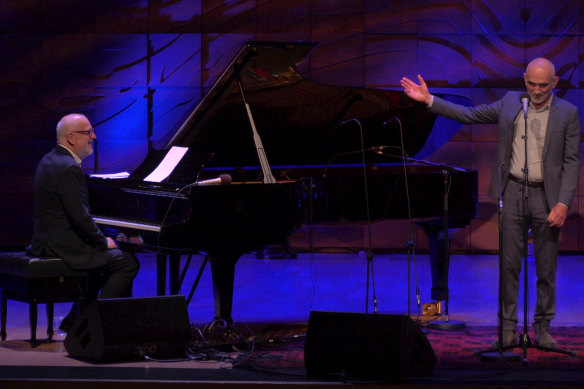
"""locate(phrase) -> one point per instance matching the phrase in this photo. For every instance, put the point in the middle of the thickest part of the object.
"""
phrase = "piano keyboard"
(127, 224)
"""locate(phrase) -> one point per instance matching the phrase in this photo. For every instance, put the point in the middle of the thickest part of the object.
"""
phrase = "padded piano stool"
(35, 281)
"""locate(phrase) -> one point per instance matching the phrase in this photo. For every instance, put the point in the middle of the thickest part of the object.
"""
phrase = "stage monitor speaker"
(131, 329)
(365, 346)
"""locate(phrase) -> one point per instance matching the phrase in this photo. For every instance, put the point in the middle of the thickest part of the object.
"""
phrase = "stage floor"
(284, 291)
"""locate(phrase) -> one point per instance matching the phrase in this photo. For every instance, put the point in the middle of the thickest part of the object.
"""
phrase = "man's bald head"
(540, 79)
(541, 65)
(75, 132)
(68, 123)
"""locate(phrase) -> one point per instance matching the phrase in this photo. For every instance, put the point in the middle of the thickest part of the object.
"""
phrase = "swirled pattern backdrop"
(135, 67)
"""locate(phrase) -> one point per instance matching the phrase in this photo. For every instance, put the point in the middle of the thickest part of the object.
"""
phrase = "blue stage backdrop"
(137, 67)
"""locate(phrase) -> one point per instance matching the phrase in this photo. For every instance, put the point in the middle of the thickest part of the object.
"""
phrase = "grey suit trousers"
(545, 242)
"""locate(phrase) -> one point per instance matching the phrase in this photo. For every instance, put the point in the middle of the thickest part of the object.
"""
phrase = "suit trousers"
(115, 279)
(545, 243)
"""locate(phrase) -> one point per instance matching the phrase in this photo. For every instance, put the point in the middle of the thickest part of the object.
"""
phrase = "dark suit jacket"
(62, 222)
(561, 153)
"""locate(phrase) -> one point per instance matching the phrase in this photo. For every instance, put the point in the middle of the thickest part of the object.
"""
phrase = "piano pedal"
(432, 309)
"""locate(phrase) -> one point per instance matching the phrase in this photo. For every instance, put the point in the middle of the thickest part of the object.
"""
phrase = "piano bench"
(35, 281)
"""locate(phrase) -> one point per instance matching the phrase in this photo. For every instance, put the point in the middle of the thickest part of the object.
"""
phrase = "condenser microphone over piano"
(345, 122)
(387, 122)
(223, 179)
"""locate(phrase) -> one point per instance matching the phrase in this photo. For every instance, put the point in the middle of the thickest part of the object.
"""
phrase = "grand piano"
(265, 151)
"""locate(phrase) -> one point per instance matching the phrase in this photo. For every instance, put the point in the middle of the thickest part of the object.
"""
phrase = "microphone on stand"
(223, 179)
(524, 98)
(345, 122)
(379, 149)
(386, 123)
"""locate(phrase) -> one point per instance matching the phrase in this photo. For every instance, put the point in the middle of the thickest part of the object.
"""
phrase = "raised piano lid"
(298, 120)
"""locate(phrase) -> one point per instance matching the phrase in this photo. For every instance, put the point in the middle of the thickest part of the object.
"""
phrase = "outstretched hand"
(417, 92)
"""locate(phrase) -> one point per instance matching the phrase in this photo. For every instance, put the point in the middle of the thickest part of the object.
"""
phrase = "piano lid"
(299, 120)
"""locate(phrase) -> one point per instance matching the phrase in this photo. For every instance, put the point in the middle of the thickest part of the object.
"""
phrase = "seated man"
(63, 226)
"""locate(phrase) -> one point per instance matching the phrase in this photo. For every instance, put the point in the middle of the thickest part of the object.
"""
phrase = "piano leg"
(174, 273)
(439, 259)
(160, 274)
(173, 261)
(223, 275)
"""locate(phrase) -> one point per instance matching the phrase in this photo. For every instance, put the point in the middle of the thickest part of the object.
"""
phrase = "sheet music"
(167, 165)
(113, 176)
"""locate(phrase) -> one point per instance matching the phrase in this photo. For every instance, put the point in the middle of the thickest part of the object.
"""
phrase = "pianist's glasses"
(89, 132)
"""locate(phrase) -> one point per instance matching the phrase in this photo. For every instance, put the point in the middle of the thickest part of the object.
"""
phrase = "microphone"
(386, 123)
(344, 122)
(379, 149)
(525, 102)
(223, 179)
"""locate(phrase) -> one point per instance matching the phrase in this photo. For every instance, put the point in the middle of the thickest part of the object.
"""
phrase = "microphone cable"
(175, 195)
(163, 221)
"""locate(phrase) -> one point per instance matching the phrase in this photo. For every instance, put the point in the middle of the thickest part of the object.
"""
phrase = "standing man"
(63, 226)
(553, 163)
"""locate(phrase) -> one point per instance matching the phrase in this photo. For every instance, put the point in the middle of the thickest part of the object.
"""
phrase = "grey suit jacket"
(63, 225)
(561, 153)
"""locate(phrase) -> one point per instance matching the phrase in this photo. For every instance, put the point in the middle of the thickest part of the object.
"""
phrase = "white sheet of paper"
(167, 165)
(111, 175)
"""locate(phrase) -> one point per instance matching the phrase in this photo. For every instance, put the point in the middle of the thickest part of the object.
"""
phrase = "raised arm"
(417, 92)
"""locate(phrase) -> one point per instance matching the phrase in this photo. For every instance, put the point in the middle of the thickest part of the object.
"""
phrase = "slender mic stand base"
(525, 343)
(446, 325)
(499, 356)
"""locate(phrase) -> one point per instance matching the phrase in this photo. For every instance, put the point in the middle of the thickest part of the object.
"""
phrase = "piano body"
(292, 161)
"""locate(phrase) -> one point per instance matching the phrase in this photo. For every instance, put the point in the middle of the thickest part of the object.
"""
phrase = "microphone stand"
(370, 245)
(410, 245)
(446, 324)
(437, 324)
(524, 340)
(368, 214)
(497, 353)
